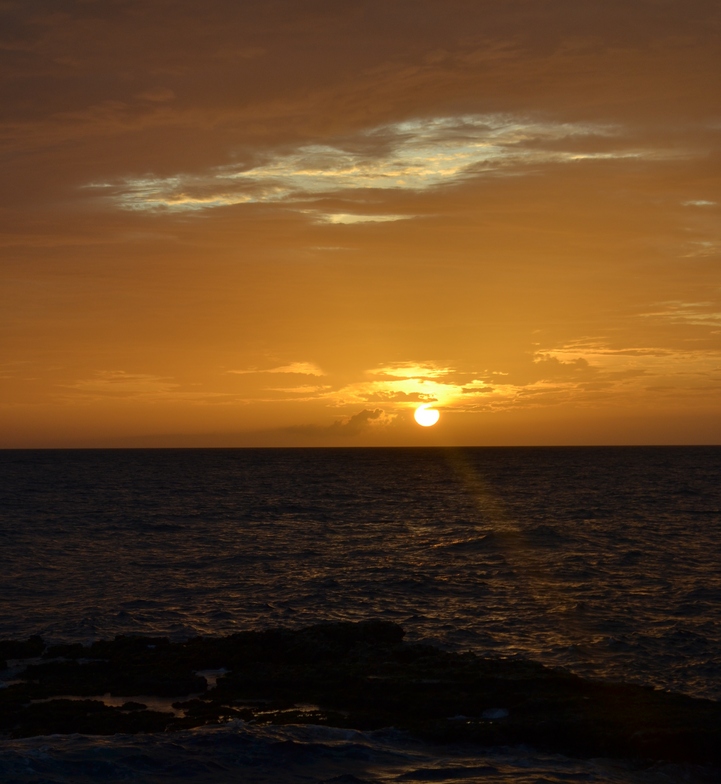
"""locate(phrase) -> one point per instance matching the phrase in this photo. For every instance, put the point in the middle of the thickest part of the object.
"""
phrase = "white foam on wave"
(297, 754)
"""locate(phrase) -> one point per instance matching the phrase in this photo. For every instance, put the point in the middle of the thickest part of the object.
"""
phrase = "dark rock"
(16, 649)
(361, 676)
(126, 673)
(89, 717)
(75, 651)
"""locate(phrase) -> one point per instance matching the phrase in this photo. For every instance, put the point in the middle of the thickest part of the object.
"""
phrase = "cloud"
(413, 155)
(404, 384)
(356, 423)
(119, 384)
(348, 426)
(698, 313)
(307, 391)
(589, 371)
(550, 368)
(299, 368)
(346, 218)
(703, 249)
(581, 373)
(411, 370)
(324, 248)
(158, 95)
(398, 397)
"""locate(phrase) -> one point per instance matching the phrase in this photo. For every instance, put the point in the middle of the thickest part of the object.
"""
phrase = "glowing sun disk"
(426, 416)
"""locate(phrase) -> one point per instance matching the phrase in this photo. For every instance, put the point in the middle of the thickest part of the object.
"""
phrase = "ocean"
(603, 561)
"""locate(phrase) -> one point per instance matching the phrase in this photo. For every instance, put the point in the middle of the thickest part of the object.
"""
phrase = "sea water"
(605, 561)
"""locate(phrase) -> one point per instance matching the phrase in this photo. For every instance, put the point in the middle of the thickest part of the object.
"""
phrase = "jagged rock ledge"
(359, 675)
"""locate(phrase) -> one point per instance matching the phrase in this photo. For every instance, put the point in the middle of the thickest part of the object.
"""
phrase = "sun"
(425, 416)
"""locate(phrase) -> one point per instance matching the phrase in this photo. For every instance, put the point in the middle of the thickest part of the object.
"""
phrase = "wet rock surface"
(358, 675)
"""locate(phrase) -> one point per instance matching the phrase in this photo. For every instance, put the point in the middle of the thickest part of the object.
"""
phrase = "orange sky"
(291, 222)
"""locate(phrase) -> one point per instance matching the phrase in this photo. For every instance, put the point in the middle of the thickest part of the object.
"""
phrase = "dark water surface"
(606, 561)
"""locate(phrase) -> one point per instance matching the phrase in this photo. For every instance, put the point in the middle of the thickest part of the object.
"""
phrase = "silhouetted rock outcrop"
(359, 675)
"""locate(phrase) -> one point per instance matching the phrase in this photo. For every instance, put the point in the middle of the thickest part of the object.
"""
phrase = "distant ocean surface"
(605, 561)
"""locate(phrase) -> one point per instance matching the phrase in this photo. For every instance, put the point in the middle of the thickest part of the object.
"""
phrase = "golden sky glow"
(294, 223)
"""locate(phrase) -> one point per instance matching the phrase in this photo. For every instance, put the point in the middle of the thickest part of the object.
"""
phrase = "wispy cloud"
(118, 383)
(581, 373)
(299, 368)
(415, 155)
(703, 249)
(699, 313)
(584, 372)
(346, 218)
(404, 384)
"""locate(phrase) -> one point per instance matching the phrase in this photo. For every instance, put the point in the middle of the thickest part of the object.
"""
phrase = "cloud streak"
(414, 156)
(298, 368)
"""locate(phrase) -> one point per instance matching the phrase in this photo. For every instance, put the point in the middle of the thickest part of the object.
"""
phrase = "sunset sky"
(292, 222)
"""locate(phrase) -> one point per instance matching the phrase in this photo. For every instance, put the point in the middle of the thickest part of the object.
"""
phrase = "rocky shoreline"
(357, 675)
